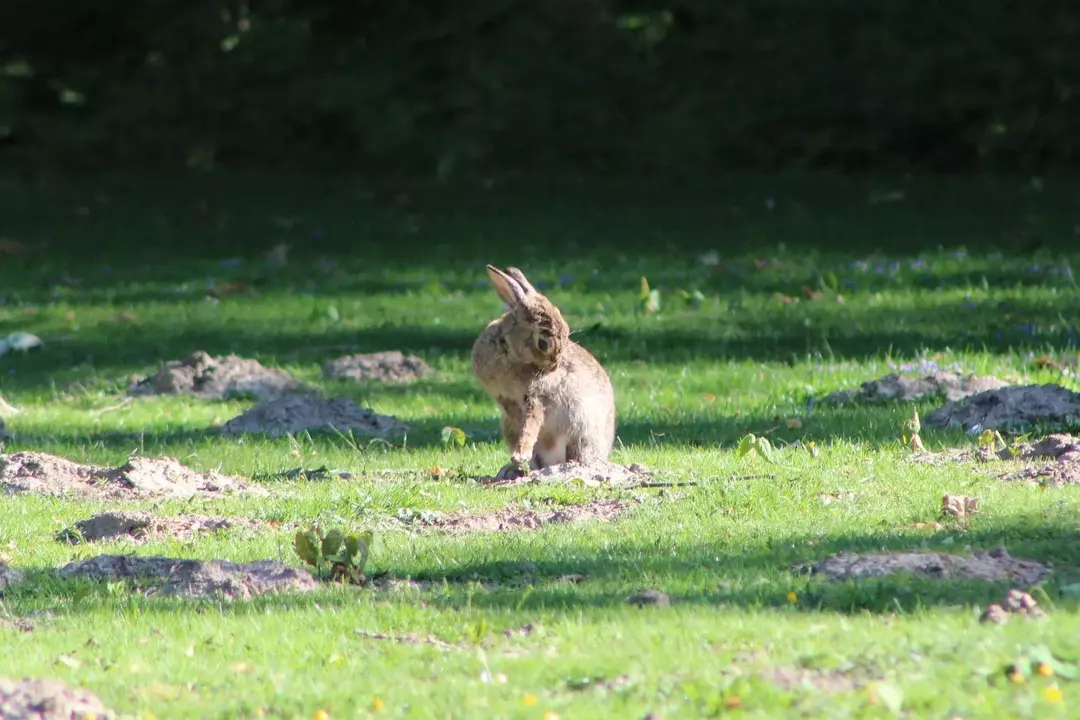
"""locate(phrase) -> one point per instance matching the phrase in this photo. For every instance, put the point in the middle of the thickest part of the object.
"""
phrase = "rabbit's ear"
(521, 279)
(506, 286)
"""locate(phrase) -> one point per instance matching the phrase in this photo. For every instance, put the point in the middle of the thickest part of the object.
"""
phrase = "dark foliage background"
(436, 88)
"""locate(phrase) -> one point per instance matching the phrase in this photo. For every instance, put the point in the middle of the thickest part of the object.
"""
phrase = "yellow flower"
(551, 716)
(1016, 677)
(322, 715)
(792, 597)
(529, 699)
(1044, 669)
(377, 705)
(733, 702)
(1052, 694)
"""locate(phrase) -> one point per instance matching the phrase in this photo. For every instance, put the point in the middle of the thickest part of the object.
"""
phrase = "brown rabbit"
(556, 399)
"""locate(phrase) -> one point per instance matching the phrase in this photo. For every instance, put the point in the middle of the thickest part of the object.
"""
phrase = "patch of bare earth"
(203, 376)
(44, 474)
(1009, 408)
(908, 388)
(1052, 461)
(142, 526)
(599, 472)
(48, 699)
(993, 566)
(517, 519)
(297, 413)
(826, 681)
(195, 578)
(390, 366)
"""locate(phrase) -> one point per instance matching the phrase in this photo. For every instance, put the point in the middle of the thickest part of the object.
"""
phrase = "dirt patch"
(514, 519)
(196, 578)
(993, 566)
(44, 474)
(1009, 408)
(141, 526)
(897, 387)
(390, 366)
(828, 681)
(47, 699)
(205, 377)
(599, 472)
(297, 413)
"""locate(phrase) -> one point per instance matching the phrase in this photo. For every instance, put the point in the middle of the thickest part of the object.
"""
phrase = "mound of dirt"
(1007, 408)
(993, 566)
(217, 379)
(47, 699)
(826, 681)
(44, 474)
(297, 413)
(909, 388)
(196, 578)
(1017, 603)
(598, 472)
(8, 577)
(390, 366)
(140, 526)
(514, 520)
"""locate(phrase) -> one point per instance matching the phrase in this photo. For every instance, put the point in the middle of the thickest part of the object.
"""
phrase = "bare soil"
(599, 472)
(993, 566)
(44, 474)
(142, 526)
(1060, 449)
(1009, 408)
(297, 413)
(48, 699)
(516, 519)
(195, 578)
(389, 366)
(203, 376)
(908, 388)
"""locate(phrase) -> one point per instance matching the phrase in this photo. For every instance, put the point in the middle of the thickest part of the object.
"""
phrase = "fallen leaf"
(69, 661)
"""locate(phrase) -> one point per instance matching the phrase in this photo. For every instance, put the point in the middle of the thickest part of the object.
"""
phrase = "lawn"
(807, 285)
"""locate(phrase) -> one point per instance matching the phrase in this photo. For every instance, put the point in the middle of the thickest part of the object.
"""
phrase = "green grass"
(122, 286)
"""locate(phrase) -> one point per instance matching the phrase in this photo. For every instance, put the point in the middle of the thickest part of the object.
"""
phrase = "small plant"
(453, 437)
(751, 444)
(345, 554)
(648, 300)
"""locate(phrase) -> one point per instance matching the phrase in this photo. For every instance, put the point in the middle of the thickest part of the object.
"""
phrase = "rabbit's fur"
(556, 399)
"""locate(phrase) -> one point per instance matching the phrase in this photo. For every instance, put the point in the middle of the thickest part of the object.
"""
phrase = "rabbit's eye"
(543, 344)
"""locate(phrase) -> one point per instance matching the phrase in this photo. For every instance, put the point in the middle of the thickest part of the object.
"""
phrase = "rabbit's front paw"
(514, 469)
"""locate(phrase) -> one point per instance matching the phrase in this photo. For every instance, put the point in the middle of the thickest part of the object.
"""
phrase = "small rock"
(9, 576)
(649, 597)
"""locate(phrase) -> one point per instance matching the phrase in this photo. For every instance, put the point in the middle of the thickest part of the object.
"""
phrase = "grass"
(973, 274)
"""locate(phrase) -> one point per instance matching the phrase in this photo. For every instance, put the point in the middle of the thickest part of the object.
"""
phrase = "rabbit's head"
(534, 332)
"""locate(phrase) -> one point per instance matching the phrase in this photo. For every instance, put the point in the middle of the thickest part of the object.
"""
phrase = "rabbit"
(557, 401)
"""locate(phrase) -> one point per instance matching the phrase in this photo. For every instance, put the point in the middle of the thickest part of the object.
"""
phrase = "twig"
(119, 406)
(763, 476)
(408, 639)
(660, 484)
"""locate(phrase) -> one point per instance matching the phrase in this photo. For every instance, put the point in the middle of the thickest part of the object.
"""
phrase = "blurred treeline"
(440, 87)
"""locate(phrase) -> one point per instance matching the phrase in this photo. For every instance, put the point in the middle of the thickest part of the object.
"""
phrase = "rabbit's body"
(556, 399)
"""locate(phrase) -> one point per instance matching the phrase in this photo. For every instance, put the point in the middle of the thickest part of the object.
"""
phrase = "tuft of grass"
(753, 311)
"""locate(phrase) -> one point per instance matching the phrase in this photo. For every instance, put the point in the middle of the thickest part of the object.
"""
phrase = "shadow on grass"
(695, 576)
(874, 425)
